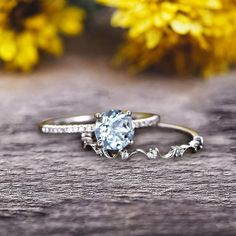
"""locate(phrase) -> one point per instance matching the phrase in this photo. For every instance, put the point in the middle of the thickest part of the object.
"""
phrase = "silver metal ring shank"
(188, 131)
(195, 144)
(86, 123)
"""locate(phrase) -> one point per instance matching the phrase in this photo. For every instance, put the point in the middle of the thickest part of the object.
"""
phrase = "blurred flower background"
(180, 36)
(28, 27)
(184, 36)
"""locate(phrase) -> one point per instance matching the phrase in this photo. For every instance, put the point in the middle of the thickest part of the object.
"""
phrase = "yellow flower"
(28, 27)
(186, 36)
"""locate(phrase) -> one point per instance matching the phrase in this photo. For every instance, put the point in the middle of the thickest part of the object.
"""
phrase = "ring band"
(195, 144)
(110, 133)
(86, 123)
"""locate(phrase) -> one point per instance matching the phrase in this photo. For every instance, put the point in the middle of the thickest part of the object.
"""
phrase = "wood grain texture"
(50, 186)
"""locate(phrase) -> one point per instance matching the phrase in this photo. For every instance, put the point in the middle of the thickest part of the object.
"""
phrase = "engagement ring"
(110, 133)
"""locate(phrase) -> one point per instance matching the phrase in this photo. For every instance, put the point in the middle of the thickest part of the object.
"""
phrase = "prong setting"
(131, 142)
(99, 143)
(98, 115)
(128, 112)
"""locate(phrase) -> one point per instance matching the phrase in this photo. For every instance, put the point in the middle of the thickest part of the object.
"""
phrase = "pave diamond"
(114, 130)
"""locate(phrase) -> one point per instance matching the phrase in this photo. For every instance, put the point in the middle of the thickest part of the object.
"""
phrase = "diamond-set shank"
(72, 124)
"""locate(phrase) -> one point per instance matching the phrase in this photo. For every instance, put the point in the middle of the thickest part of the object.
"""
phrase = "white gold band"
(86, 123)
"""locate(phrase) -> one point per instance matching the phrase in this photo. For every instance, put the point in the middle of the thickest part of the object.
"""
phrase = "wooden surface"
(50, 186)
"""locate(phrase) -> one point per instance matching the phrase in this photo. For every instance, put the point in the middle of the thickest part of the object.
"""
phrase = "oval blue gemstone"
(114, 130)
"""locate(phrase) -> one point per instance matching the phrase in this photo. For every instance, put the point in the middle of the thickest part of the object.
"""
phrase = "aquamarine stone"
(114, 130)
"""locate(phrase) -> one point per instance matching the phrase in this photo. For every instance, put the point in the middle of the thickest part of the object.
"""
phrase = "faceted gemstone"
(114, 130)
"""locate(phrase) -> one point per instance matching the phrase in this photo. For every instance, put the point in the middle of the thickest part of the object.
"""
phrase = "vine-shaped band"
(194, 145)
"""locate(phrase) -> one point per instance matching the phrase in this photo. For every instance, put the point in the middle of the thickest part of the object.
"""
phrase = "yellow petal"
(196, 29)
(7, 46)
(158, 20)
(181, 24)
(121, 19)
(71, 21)
(168, 10)
(27, 52)
(140, 27)
(36, 22)
(153, 37)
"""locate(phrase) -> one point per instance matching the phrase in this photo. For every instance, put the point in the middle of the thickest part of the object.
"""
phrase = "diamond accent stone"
(114, 130)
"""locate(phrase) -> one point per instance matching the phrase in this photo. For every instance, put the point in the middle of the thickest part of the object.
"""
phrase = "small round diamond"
(114, 130)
